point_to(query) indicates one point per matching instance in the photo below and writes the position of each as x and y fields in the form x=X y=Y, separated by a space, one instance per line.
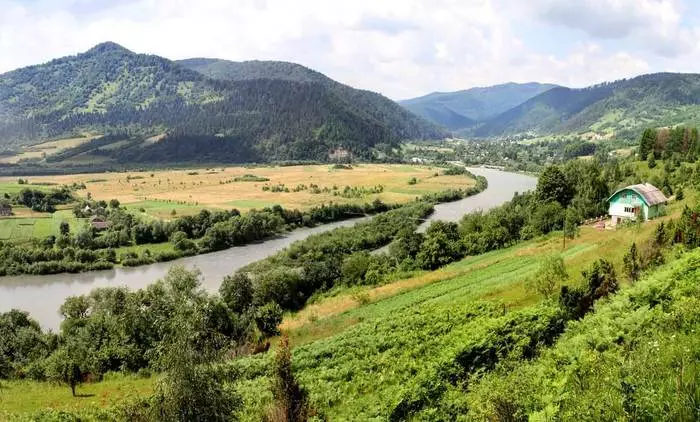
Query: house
x=5 y=210
x=99 y=223
x=637 y=201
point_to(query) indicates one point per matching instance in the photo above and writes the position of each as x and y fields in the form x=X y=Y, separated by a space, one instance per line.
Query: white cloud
x=401 y=48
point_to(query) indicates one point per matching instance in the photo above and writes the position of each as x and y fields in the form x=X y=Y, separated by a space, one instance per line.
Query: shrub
x=268 y=318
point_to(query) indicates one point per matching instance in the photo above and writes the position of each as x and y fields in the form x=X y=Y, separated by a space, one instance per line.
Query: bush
x=268 y=318
x=237 y=291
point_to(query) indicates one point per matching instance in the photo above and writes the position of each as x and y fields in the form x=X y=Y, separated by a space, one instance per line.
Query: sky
x=400 y=48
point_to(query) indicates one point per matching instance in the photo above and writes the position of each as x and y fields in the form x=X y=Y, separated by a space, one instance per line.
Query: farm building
x=99 y=223
x=5 y=210
x=636 y=201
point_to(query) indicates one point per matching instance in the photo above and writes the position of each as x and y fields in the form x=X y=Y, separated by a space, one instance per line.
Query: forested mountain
x=268 y=111
x=621 y=108
x=461 y=109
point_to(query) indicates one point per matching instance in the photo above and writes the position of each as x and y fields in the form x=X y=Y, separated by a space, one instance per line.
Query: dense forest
x=111 y=90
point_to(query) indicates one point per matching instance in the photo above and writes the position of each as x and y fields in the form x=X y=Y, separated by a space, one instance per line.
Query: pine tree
x=632 y=263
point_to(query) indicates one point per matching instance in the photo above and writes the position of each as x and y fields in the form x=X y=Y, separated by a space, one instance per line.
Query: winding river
x=43 y=295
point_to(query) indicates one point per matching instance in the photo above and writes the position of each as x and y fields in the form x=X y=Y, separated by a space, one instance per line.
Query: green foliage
x=442 y=244
x=64 y=366
x=549 y=276
x=552 y=185
x=250 y=178
x=190 y=389
x=290 y=399
x=237 y=291
x=634 y=358
x=632 y=263
x=572 y=219
x=651 y=161
x=268 y=317
x=599 y=281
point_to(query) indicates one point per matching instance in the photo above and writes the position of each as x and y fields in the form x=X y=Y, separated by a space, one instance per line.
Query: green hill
x=461 y=109
x=269 y=111
x=620 y=108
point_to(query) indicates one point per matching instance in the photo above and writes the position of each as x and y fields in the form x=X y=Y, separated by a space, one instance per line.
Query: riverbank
x=43 y=295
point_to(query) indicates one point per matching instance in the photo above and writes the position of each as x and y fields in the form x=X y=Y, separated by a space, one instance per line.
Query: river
x=43 y=295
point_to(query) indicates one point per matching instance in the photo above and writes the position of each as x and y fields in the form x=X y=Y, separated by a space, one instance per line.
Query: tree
x=114 y=204
x=647 y=143
x=632 y=263
x=549 y=275
x=660 y=236
x=571 y=222
x=190 y=389
x=237 y=291
x=355 y=267
x=291 y=400
x=679 y=194
x=553 y=186
x=651 y=160
x=268 y=318
x=64 y=367
x=64 y=228
x=441 y=246
x=600 y=281
x=182 y=243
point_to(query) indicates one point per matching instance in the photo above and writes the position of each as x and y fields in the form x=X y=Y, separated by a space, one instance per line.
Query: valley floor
x=166 y=193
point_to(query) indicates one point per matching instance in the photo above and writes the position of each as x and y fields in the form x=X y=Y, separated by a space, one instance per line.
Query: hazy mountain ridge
x=466 y=108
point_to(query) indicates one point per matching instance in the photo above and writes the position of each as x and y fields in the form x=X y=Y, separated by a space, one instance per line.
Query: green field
x=20 y=397
x=13 y=188
x=22 y=229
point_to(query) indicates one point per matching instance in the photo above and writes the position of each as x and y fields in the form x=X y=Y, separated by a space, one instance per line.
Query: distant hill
x=462 y=109
x=155 y=109
x=622 y=108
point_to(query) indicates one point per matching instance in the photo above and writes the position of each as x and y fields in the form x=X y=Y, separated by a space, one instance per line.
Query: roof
x=650 y=194
x=100 y=225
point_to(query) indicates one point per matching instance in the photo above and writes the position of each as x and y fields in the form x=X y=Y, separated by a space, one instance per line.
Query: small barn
x=636 y=201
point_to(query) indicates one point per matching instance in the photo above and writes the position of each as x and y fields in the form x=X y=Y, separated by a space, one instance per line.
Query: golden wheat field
x=159 y=193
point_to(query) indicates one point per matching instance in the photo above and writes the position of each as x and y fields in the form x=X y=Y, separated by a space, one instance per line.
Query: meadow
x=158 y=193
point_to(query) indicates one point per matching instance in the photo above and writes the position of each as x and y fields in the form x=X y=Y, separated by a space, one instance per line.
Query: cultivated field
x=158 y=193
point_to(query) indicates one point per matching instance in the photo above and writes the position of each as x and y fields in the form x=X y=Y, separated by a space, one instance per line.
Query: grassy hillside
x=461 y=109
x=162 y=111
x=621 y=108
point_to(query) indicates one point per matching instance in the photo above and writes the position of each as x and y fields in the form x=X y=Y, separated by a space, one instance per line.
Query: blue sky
x=401 y=48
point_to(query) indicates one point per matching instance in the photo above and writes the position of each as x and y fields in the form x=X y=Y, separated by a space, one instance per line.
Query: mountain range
x=462 y=109
x=620 y=109
x=145 y=108
x=198 y=109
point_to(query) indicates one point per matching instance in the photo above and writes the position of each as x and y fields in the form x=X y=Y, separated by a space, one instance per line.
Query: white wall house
x=636 y=201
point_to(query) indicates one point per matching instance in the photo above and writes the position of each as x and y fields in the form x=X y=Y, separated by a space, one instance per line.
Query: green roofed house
x=636 y=201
